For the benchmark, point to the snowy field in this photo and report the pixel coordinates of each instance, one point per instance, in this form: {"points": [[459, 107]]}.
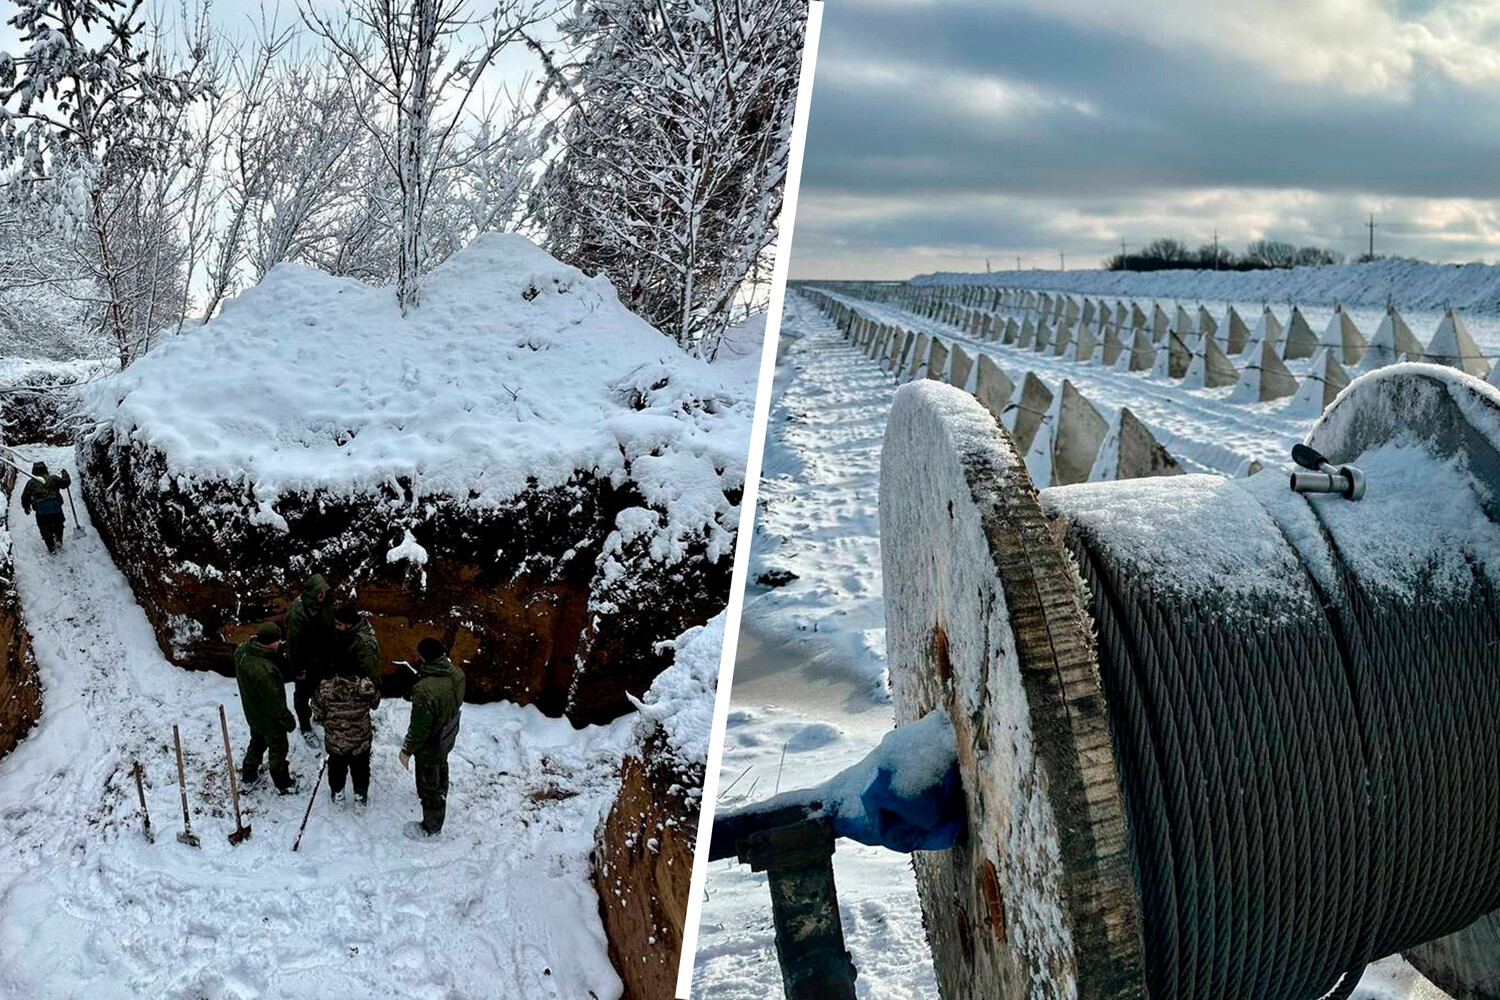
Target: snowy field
{"points": [[809, 692], [500, 905]]}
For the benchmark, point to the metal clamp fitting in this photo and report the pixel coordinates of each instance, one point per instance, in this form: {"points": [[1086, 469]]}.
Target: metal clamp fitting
{"points": [[1344, 480]]}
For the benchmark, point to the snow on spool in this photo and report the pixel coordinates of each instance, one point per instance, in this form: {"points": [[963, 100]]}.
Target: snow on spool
{"points": [[1278, 761]]}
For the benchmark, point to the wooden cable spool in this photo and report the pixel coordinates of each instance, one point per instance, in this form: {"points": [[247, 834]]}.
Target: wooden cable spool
{"points": [[988, 618]]}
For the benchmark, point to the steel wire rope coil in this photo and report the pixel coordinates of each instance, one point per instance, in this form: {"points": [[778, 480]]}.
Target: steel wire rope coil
{"points": [[1310, 773]]}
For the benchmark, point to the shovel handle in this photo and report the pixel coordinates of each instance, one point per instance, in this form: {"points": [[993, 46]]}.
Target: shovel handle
{"points": [[140, 790], [317, 785], [234, 788], [182, 780]]}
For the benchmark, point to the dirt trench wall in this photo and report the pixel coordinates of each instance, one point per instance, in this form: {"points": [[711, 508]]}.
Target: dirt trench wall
{"points": [[516, 592], [20, 688], [643, 865]]}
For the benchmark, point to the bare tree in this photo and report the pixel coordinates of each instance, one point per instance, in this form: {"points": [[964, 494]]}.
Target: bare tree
{"points": [[101, 114], [672, 157], [425, 60]]}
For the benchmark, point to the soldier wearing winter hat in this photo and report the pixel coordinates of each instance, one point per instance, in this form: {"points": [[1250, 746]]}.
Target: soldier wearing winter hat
{"points": [[258, 670]]}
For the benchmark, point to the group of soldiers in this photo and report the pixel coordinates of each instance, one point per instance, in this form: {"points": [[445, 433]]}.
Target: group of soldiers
{"points": [[332, 657]]}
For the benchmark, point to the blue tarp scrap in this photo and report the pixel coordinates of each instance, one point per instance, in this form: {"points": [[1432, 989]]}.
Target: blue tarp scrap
{"points": [[932, 820]]}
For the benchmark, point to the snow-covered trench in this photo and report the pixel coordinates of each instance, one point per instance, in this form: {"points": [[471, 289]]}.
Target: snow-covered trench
{"points": [[500, 905]]}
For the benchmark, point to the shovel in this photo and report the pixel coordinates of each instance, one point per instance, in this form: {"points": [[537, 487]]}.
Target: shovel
{"points": [[186, 836], [77, 525], [241, 830], [140, 790]]}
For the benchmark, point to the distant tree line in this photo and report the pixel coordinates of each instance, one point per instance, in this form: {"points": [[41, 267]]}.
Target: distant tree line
{"points": [[1169, 254]]}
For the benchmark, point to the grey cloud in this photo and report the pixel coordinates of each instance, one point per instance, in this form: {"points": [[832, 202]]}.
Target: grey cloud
{"points": [[1163, 125]]}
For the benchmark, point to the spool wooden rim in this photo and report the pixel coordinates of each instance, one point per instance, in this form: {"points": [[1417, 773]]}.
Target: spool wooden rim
{"points": [[985, 620]]}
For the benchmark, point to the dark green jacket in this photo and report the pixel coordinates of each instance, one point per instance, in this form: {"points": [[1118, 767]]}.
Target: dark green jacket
{"points": [[436, 702], [310, 635], [362, 650], [43, 493], [262, 691]]}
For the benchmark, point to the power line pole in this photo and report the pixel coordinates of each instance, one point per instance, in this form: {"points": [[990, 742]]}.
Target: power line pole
{"points": [[1124, 255], [1216, 248], [1062, 260], [1018, 262], [987, 268], [1371, 227]]}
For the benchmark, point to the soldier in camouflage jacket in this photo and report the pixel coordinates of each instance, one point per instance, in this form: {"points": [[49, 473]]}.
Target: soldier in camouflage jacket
{"points": [[343, 703]]}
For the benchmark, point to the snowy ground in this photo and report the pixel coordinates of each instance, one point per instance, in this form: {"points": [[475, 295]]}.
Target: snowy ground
{"points": [[809, 690], [499, 905]]}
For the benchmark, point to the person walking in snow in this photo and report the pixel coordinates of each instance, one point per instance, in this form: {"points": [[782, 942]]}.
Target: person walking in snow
{"points": [[311, 640], [257, 670], [343, 704], [436, 703], [356, 644], [43, 494]]}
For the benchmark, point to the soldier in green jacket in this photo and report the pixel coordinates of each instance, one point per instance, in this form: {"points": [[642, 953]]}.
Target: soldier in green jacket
{"points": [[43, 494], [357, 643], [257, 669], [311, 641], [436, 703]]}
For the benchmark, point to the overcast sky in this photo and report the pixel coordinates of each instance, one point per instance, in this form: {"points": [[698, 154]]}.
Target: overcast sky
{"points": [[948, 131]]}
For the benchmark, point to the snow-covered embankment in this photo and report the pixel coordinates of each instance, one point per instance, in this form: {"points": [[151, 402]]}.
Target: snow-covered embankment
{"points": [[520, 466]]}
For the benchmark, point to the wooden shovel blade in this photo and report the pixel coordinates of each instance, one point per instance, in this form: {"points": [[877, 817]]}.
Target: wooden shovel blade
{"points": [[242, 834]]}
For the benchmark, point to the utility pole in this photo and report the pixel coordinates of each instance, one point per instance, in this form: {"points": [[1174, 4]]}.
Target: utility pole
{"points": [[1062, 260], [987, 268], [1371, 227], [1018, 262], [1124, 255], [1216, 248]]}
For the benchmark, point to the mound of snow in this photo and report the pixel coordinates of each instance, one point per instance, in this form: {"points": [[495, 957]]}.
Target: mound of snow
{"points": [[739, 351], [516, 371], [681, 699]]}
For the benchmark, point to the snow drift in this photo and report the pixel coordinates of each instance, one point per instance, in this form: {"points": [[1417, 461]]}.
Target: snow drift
{"points": [[521, 466], [643, 862]]}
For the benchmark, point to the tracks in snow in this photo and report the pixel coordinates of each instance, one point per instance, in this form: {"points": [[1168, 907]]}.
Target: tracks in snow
{"points": [[501, 904]]}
